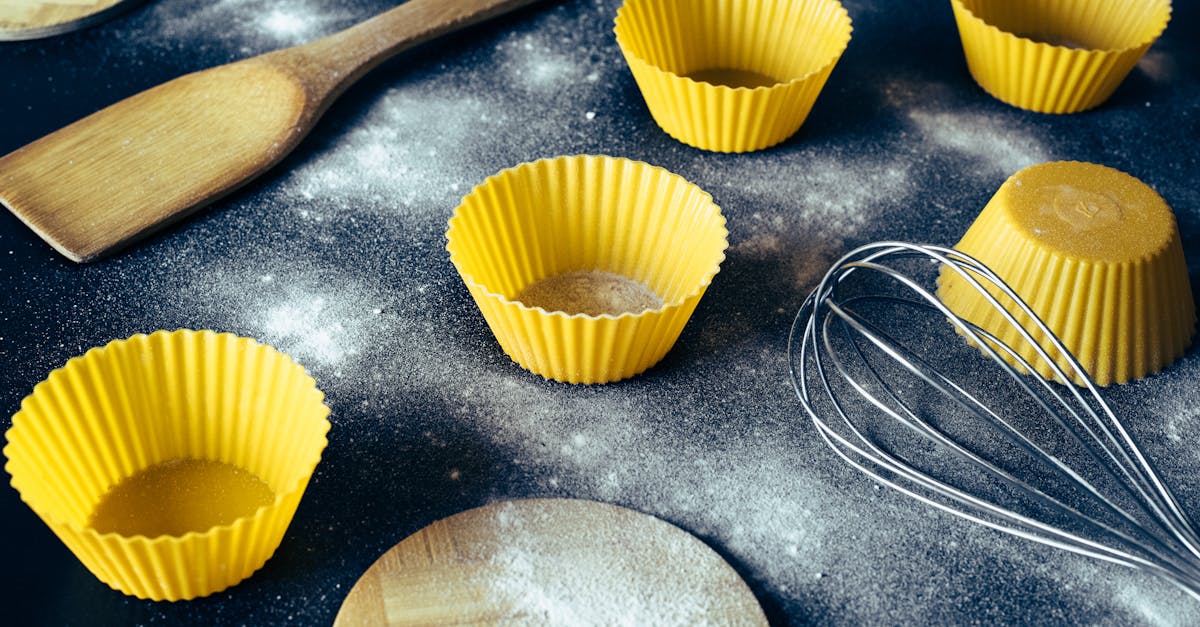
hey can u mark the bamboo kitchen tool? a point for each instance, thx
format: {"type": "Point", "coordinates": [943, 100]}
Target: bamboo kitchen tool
{"type": "Point", "coordinates": [157, 156]}
{"type": "Point", "coordinates": [33, 19]}
{"type": "Point", "coordinates": [550, 562]}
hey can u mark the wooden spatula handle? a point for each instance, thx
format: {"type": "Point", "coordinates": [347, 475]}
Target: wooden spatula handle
{"type": "Point", "coordinates": [162, 154]}
{"type": "Point", "coordinates": [331, 64]}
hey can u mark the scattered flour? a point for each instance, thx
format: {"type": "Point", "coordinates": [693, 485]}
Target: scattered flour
{"type": "Point", "coordinates": [536, 65]}
{"type": "Point", "coordinates": [403, 157]}
{"type": "Point", "coordinates": [1158, 65]}
{"type": "Point", "coordinates": [418, 148]}
{"type": "Point", "coordinates": [262, 25]}
{"type": "Point", "coordinates": [590, 292]}
{"type": "Point", "coordinates": [325, 325]}
{"type": "Point", "coordinates": [980, 138]}
{"type": "Point", "coordinates": [581, 565]}
{"type": "Point", "coordinates": [996, 142]}
{"type": "Point", "coordinates": [306, 324]}
{"type": "Point", "coordinates": [722, 450]}
{"type": "Point", "coordinates": [809, 205]}
{"type": "Point", "coordinates": [1155, 604]}
{"type": "Point", "coordinates": [288, 24]}
{"type": "Point", "coordinates": [1173, 402]}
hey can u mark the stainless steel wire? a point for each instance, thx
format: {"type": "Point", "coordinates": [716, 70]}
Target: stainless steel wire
{"type": "Point", "coordinates": [1047, 461]}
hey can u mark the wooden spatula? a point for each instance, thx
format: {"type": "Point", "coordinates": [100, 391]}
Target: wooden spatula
{"type": "Point", "coordinates": [155, 157]}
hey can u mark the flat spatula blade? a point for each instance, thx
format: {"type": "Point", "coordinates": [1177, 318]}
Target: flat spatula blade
{"type": "Point", "coordinates": [153, 158]}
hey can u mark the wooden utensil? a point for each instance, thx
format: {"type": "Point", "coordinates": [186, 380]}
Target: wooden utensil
{"type": "Point", "coordinates": [550, 561]}
{"type": "Point", "coordinates": [32, 19]}
{"type": "Point", "coordinates": [159, 155]}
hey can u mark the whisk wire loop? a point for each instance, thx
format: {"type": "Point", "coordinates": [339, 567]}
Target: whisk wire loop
{"type": "Point", "coordinates": [832, 346]}
{"type": "Point", "coordinates": [972, 404]}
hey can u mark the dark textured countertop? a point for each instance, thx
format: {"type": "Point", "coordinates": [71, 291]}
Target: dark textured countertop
{"type": "Point", "coordinates": [337, 258]}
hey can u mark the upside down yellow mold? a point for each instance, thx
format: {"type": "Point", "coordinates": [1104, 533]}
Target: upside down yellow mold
{"type": "Point", "coordinates": [1097, 255]}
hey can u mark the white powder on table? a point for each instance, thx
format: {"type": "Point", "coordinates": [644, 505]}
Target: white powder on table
{"type": "Point", "coordinates": [979, 138]}
{"type": "Point", "coordinates": [582, 564]}
{"type": "Point", "coordinates": [262, 24]}
{"type": "Point", "coordinates": [1158, 65]}
{"type": "Point", "coordinates": [998, 143]}
{"type": "Point", "coordinates": [533, 64]}
{"type": "Point", "coordinates": [288, 24]}
{"type": "Point", "coordinates": [1176, 401]}
{"type": "Point", "coordinates": [806, 205]}
{"type": "Point", "coordinates": [405, 155]}
{"type": "Point", "coordinates": [713, 438]}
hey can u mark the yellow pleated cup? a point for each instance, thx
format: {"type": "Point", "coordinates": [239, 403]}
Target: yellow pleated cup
{"type": "Point", "coordinates": [1097, 255]}
{"type": "Point", "coordinates": [586, 213]}
{"type": "Point", "coordinates": [168, 398]}
{"type": "Point", "coordinates": [1063, 56]}
{"type": "Point", "coordinates": [731, 75]}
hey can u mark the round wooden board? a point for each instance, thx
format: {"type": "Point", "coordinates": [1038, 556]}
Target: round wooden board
{"type": "Point", "coordinates": [550, 561]}
{"type": "Point", "coordinates": [31, 19]}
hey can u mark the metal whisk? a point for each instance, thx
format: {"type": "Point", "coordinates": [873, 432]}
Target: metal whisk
{"type": "Point", "coordinates": [913, 402]}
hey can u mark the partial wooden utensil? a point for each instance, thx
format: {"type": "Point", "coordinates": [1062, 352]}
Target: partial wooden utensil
{"type": "Point", "coordinates": [33, 19]}
{"type": "Point", "coordinates": [550, 562]}
{"type": "Point", "coordinates": [157, 156]}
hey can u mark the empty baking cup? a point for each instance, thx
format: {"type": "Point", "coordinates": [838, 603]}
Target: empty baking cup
{"type": "Point", "coordinates": [1056, 57]}
{"type": "Point", "coordinates": [170, 464]}
{"type": "Point", "coordinates": [566, 215]}
{"type": "Point", "coordinates": [731, 75]}
{"type": "Point", "coordinates": [1096, 254]}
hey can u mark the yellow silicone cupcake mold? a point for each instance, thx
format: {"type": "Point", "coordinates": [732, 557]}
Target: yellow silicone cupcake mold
{"type": "Point", "coordinates": [731, 75]}
{"type": "Point", "coordinates": [586, 213]}
{"type": "Point", "coordinates": [180, 401]}
{"type": "Point", "coordinates": [1056, 57]}
{"type": "Point", "coordinates": [1097, 255]}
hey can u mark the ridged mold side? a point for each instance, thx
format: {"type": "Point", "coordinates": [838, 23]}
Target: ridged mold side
{"type": "Point", "coordinates": [134, 403]}
{"type": "Point", "coordinates": [1121, 321]}
{"type": "Point", "coordinates": [1100, 42]}
{"type": "Point", "coordinates": [560, 215]}
{"type": "Point", "coordinates": [795, 42]}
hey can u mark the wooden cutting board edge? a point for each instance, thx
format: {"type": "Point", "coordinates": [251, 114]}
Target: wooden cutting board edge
{"type": "Point", "coordinates": [434, 548]}
{"type": "Point", "coordinates": [70, 17]}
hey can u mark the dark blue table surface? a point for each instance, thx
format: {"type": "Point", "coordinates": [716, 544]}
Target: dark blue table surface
{"type": "Point", "coordinates": [336, 257]}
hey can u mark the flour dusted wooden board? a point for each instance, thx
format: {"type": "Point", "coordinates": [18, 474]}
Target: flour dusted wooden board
{"type": "Point", "coordinates": [30, 19]}
{"type": "Point", "coordinates": [550, 561]}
